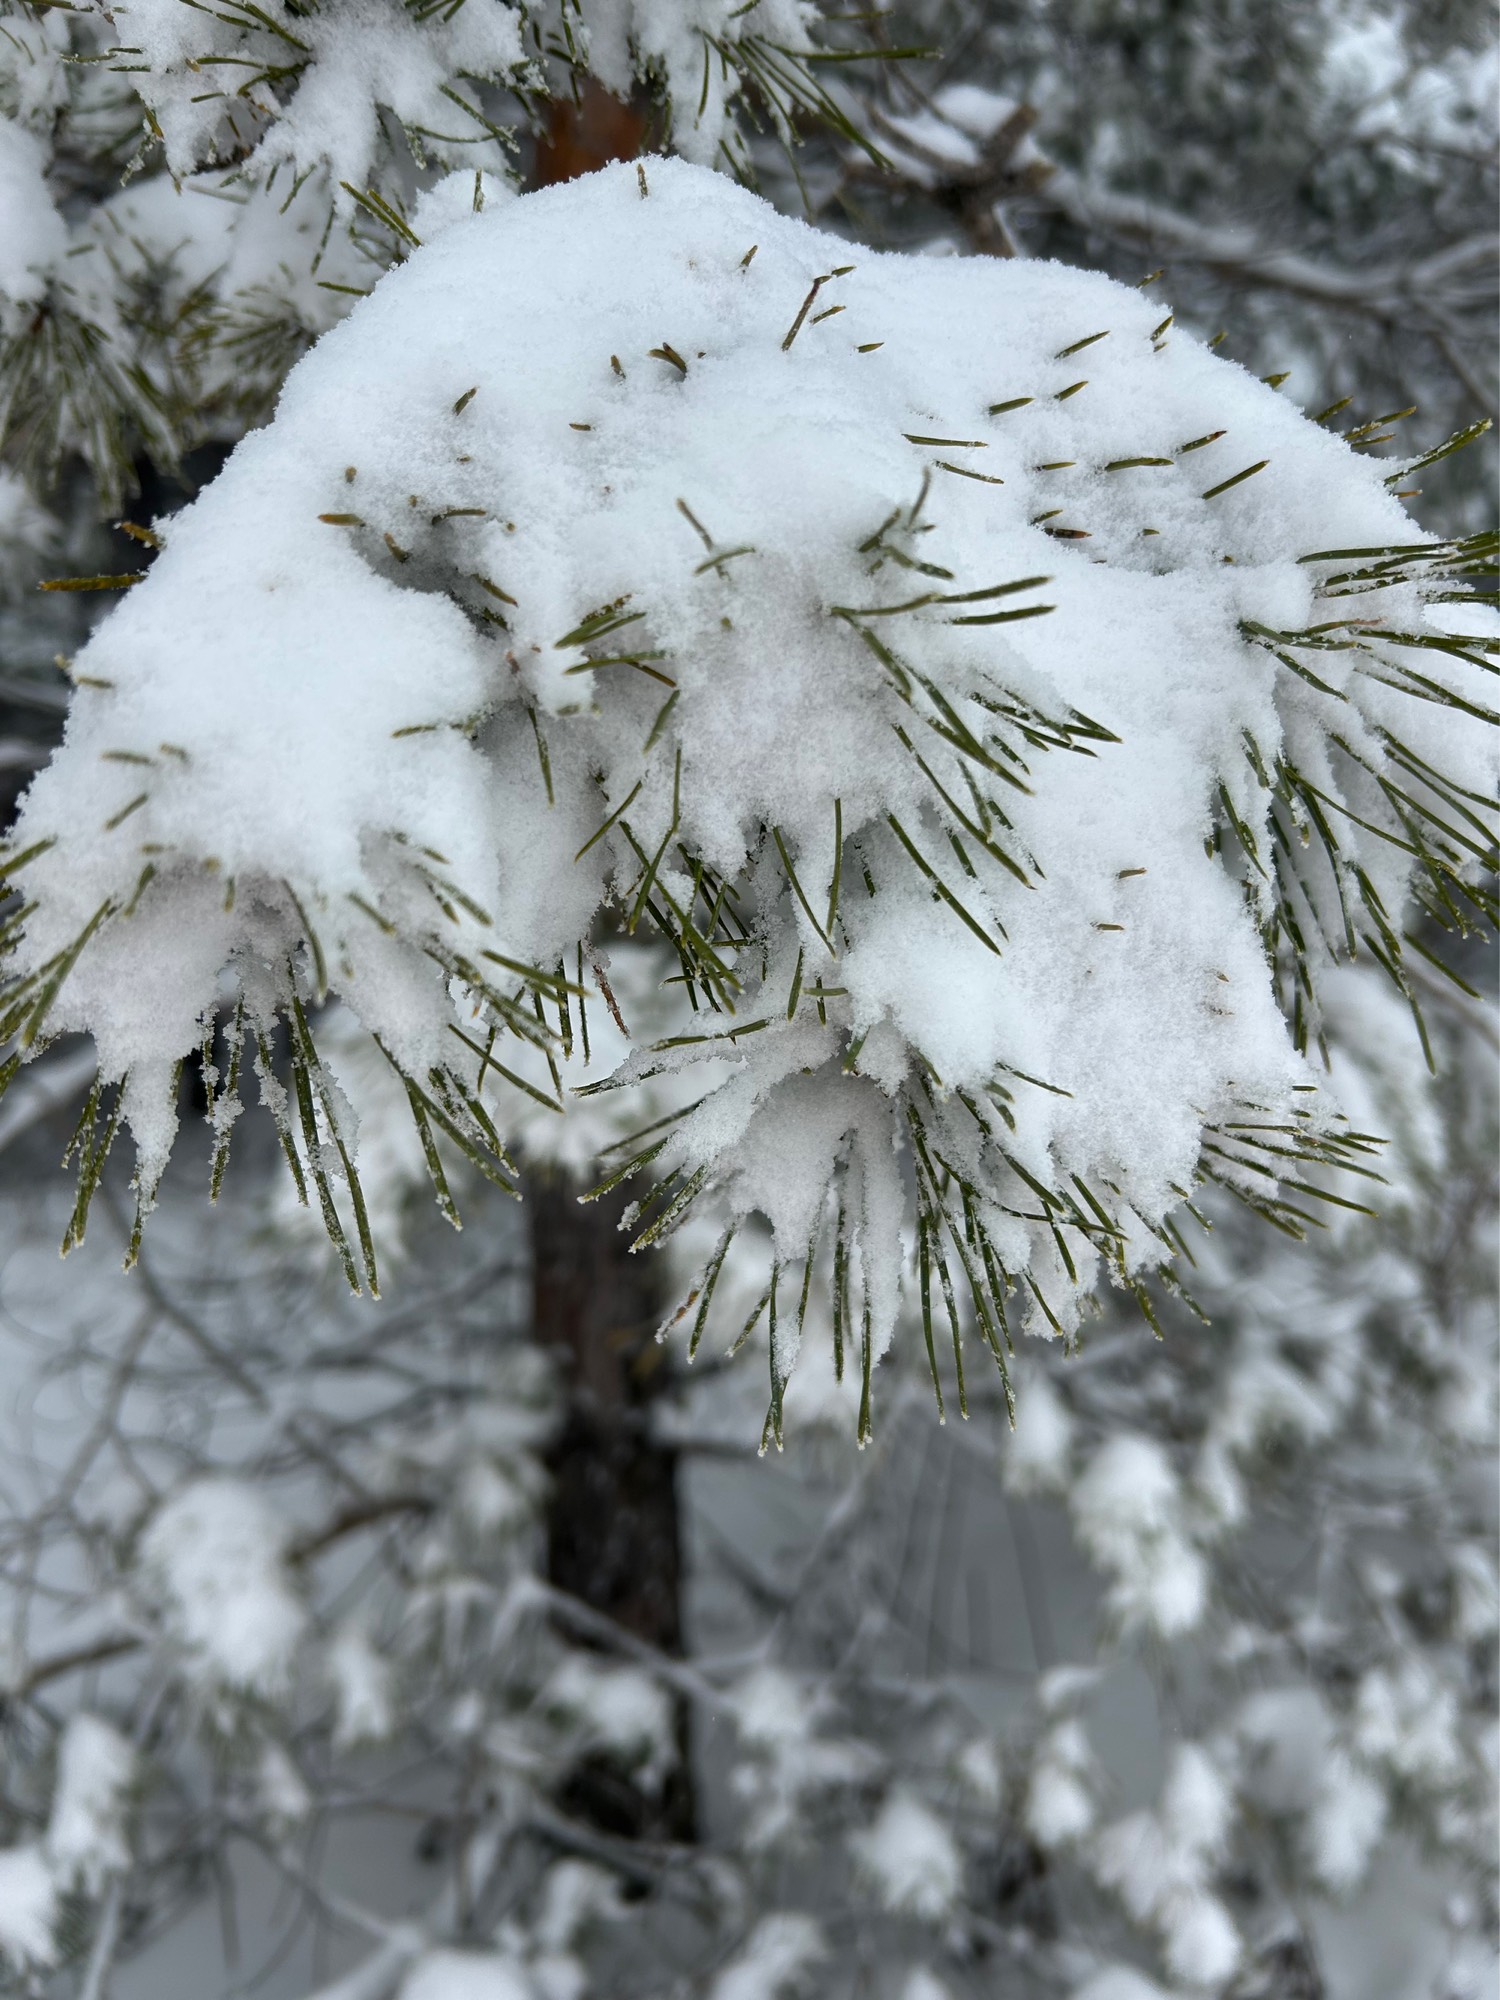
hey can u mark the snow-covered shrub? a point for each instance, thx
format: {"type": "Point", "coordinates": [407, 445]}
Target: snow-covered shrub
{"type": "Point", "coordinates": [794, 1763]}
{"type": "Point", "coordinates": [1061, 1803]}
{"type": "Point", "coordinates": [84, 1847]}
{"type": "Point", "coordinates": [1337, 1714]}
{"type": "Point", "coordinates": [619, 1711]}
{"type": "Point", "coordinates": [969, 679]}
{"type": "Point", "coordinates": [28, 1905]}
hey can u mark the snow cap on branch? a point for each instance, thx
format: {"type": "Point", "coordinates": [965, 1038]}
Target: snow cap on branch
{"type": "Point", "coordinates": [937, 655]}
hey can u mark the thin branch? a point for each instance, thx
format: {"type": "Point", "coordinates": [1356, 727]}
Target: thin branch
{"type": "Point", "coordinates": [1384, 291]}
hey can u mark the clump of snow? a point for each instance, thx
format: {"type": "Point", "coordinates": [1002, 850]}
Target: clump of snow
{"type": "Point", "coordinates": [493, 1500]}
{"type": "Point", "coordinates": [1118, 1982]}
{"type": "Point", "coordinates": [780, 1721]}
{"type": "Point", "coordinates": [979, 1771]}
{"type": "Point", "coordinates": [86, 1832]}
{"type": "Point", "coordinates": [34, 79]}
{"type": "Point", "coordinates": [617, 1709]}
{"type": "Point", "coordinates": [949, 135]}
{"type": "Point", "coordinates": [1397, 100]}
{"type": "Point", "coordinates": [213, 1559]}
{"type": "Point", "coordinates": [1161, 1866]}
{"type": "Point", "coordinates": [1406, 1718]}
{"type": "Point", "coordinates": [1037, 1451]}
{"type": "Point", "coordinates": [1130, 1515]}
{"type": "Point", "coordinates": [281, 1791]}
{"type": "Point", "coordinates": [773, 1708]}
{"type": "Point", "coordinates": [1476, 1592]}
{"type": "Point", "coordinates": [1299, 1767]}
{"type": "Point", "coordinates": [1061, 1795]}
{"type": "Point", "coordinates": [887, 632]}
{"type": "Point", "coordinates": [910, 1858]}
{"type": "Point", "coordinates": [362, 1686]}
{"type": "Point", "coordinates": [1345, 1818]}
{"type": "Point", "coordinates": [29, 1902]}
{"type": "Point", "coordinates": [574, 1895]}
{"type": "Point", "coordinates": [33, 236]}
{"type": "Point", "coordinates": [467, 1975]}
{"type": "Point", "coordinates": [924, 1985]}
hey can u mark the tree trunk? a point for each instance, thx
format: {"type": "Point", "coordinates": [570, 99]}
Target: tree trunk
{"type": "Point", "coordinates": [583, 136]}
{"type": "Point", "coordinates": [612, 1525]}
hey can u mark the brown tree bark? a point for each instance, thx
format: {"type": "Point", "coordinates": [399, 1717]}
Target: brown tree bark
{"type": "Point", "coordinates": [612, 1520]}
{"type": "Point", "coordinates": [612, 1528]}
{"type": "Point", "coordinates": [582, 136]}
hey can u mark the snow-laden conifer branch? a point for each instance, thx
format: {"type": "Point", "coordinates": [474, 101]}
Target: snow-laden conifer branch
{"type": "Point", "coordinates": [249, 176]}
{"type": "Point", "coordinates": [348, 89]}
{"type": "Point", "coordinates": [950, 667]}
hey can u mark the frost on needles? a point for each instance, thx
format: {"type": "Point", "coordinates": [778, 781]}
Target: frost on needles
{"type": "Point", "coordinates": [995, 705]}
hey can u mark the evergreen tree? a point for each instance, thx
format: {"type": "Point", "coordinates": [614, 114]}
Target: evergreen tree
{"type": "Point", "coordinates": [858, 758]}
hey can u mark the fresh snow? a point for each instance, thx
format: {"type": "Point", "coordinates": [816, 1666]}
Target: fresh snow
{"type": "Point", "coordinates": [626, 542]}
{"type": "Point", "coordinates": [467, 1975]}
{"type": "Point", "coordinates": [211, 1560]}
{"type": "Point", "coordinates": [86, 1835]}
{"type": "Point", "coordinates": [28, 1906]}
{"type": "Point", "coordinates": [911, 1859]}
{"type": "Point", "coordinates": [354, 64]}
{"type": "Point", "coordinates": [1129, 1515]}
{"type": "Point", "coordinates": [32, 233]}
{"type": "Point", "coordinates": [1161, 1865]}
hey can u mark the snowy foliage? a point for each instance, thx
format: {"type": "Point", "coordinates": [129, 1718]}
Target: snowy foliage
{"type": "Point", "coordinates": [911, 1859]}
{"type": "Point", "coordinates": [611, 723]}
{"type": "Point", "coordinates": [775, 1962]}
{"type": "Point", "coordinates": [968, 724]}
{"type": "Point", "coordinates": [316, 95]}
{"type": "Point", "coordinates": [85, 1845]}
{"type": "Point", "coordinates": [212, 1558]}
{"type": "Point", "coordinates": [466, 1975]}
{"type": "Point", "coordinates": [331, 93]}
{"type": "Point", "coordinates": [274, 168]}
{"type": "Point", "coordinates": [28, 1905]}
{"type": "Point", "coordinates": [86, 1834]}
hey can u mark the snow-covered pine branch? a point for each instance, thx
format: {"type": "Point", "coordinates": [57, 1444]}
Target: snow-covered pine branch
{"type": "Point", "coordinates": [190, 196]}
{"type": "Point", "coordinates": [999, 705]}
{"type": "Point", "coordinates": [345, 86]}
